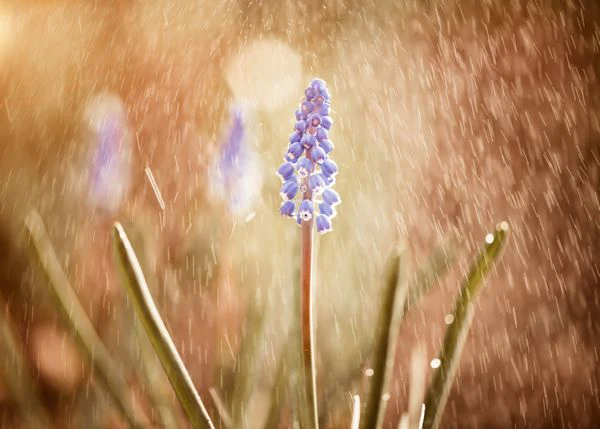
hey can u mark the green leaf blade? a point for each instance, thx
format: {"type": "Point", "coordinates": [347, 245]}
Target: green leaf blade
{"type": "Point", "coordinates": [390, 318]}
{"type": "Point", "coordinates": [67, 304]}
{"type": "Point", "coordinates": [135, 282]}
{"type": "Point", "coordinates": [454, 340]}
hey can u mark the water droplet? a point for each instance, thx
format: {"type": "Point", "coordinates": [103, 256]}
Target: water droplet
{"type": "Point", "coordinates": [385, 397]}
{"type": "Point", "coordinates": [369, 372]}
{"type": "Point", "coordinates": [436, 363]}
{"type": "Point", "coordinates": [489, 239]}
{"type": "Point", "coordinates": [449, 319]}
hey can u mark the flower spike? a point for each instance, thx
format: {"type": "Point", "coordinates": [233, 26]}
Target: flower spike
{"type": "Point", "coordinates": [308, 173]}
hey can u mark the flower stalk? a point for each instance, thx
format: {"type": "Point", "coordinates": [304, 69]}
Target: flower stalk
{"type": "Point", "coordinates": [307, 322]}
{"type": "Point", "coordinates": [308, 171]}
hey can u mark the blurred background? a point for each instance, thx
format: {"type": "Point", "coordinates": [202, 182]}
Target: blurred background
{"type": "Point", "coordinates": [450, 116]}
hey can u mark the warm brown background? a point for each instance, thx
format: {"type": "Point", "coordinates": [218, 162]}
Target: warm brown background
{"type": "Point", "coordinates": [448, 115]}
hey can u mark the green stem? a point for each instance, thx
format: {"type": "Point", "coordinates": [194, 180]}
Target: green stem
{"type": "Point", "coordinates": [74, 315]}
{"type": "Point", "coordinates": [456, 334]}
{"type": "Point", "coordinates": [136, 285]}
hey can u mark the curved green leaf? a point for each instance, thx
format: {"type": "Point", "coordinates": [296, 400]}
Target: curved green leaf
{"type": "Point", "coordinates": [133, 278]}
{"type": "Point", "coordinates": [456, 334]}
{"type": "Point", "coordinates": [74, 315]}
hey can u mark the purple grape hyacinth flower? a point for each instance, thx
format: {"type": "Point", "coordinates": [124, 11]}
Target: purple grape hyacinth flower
{"type": "Point", "coordinates": [316, 184]}
{"type": "Point", "coordinates": [328, 210]}
{"type": "Point", "coordinates": [323, 224]}
{"type": "Point", "coordinates": [305, 167]}
{"type": "Point", "coordinates": [287, 209]}
{"type": "Point", "coordinates": [285, 171]}
{"type": "Point", "coordinates": [308, 173]}
{"type": "Point", "coordinates": [329, 167]}
{"type": "Point", "coordinates": [326, 145]}
{"type": "Point", "coordinates": [305, 210]}
{"type": "Point", "coordinates": [289, 190]}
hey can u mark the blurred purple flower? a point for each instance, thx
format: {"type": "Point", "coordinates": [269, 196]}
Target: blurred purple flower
{"type": "Point", "coordinates": [110, 138]}
{"type": "Point", "coordinates": [231, 150]}
{"type": "Point", "coordinates": [236, 179]}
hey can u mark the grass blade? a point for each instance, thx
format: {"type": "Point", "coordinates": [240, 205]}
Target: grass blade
{"type": "Point", "coordinates": [420, 283]}
{"type": "Point", "coordinates": [150, 371]}
{"type": "Point", "coordinates": [246, 362]}
{"type": "Point", "coordinates": [133, 278]}
{"type": "Point", "coordinates": [144, 359]}
{"type": "Point", "coordinates": [437, 264]}
{"type": "Point", "coordinates": [226, 419]}
{"type": "Point", "coordinates": [17, 376]}
{"type": "Point", "coordinates": [456, 334]}
{"type": "Point", "coordinates": [390, 317]}
{"type": "Point", "coordinates": [74, 315]}
{"type": "Point", "coordinates": [355, 423]}
{"type": "Point", "coordinates": [277, 397]}
{"type": "Point", "coordinates": [422, 417]}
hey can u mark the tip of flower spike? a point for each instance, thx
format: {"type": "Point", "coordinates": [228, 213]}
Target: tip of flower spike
{"type": "Point", "coordinates": [314, 173]}
{"type": "Point", "coordinates": [318, 84]}
{"type": "Point", "coordinates": [311, 93]}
